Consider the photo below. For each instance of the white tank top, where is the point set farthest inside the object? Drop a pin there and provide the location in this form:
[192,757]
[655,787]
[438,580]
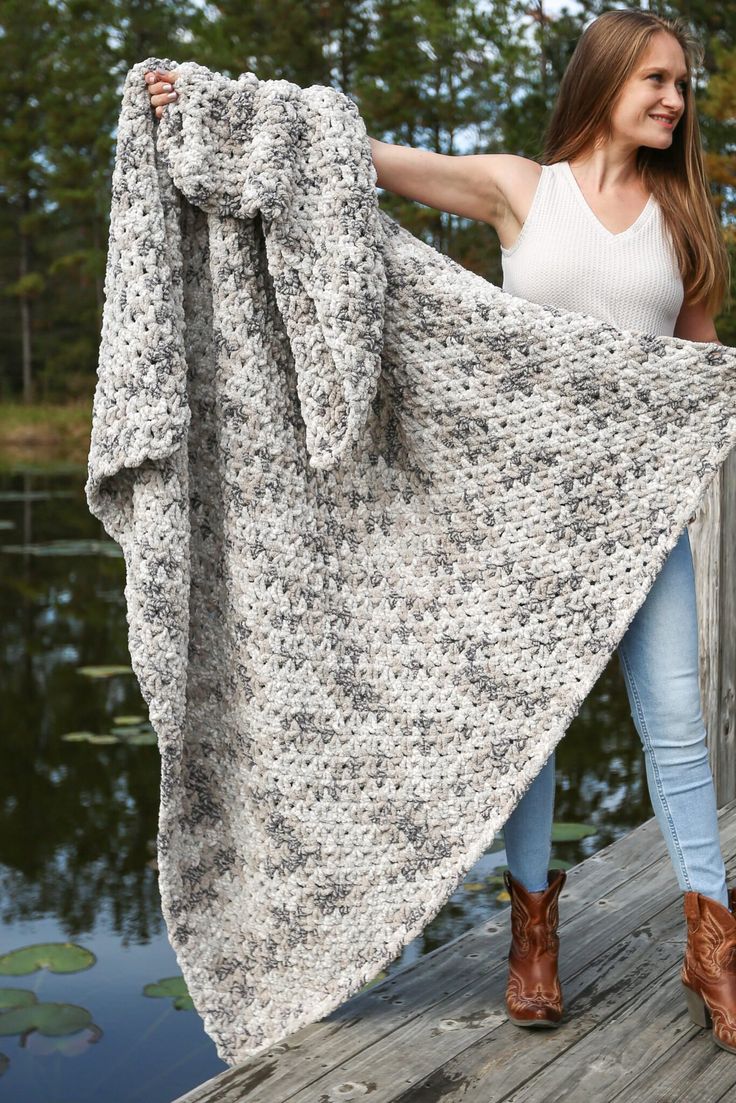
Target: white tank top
[565,257]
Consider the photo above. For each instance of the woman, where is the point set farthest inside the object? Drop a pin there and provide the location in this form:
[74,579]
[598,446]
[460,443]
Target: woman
[616,222]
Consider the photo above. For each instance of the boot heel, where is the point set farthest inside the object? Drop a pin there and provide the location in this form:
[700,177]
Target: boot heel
[697,1008]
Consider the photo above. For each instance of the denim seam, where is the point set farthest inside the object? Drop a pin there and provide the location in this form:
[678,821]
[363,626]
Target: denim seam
[653,759]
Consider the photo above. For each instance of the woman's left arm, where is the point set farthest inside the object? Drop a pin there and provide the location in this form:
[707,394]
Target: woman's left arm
[694,323]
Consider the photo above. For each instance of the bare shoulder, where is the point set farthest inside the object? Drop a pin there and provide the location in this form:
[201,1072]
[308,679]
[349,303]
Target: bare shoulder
[516,180]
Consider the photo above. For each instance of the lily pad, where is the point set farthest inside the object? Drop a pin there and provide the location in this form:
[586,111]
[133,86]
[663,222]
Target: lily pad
[173,988]
[89,737]
[125,720]
[143,739]
[141,734]
[16,997]
[4,525]
[103,671]
[52,1019]
[571,832]
[376,980]
[57,957]
[43,1045]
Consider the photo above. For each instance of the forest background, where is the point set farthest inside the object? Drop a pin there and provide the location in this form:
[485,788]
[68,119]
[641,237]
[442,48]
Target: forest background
[455,77]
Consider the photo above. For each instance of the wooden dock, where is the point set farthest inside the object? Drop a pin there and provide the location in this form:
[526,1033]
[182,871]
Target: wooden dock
[436,1031]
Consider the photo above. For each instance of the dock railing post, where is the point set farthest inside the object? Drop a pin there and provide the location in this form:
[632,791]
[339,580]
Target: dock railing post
[713,542]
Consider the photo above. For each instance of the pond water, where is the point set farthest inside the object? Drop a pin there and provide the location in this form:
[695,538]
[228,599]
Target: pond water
[82,928]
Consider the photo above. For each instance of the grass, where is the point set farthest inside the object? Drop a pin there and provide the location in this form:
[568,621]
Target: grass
[45,430]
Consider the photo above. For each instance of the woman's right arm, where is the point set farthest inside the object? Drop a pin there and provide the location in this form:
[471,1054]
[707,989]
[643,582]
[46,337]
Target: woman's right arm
[472,185]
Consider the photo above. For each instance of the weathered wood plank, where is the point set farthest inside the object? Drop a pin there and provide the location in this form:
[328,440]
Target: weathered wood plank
[688,1071]
[509,1063]
[713,542]
[438,1028]
[501,1054]
[729,1096]
[648,1050]
[423,981]
[608,1038]
[725,750]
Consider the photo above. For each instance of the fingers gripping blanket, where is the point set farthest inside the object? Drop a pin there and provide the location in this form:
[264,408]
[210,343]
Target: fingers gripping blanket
[383,524]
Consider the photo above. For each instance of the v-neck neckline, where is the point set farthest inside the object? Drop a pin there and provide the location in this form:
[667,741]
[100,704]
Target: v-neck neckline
[635,225]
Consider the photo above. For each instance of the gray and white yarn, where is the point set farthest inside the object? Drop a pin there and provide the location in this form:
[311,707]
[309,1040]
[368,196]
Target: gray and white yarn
[384,524]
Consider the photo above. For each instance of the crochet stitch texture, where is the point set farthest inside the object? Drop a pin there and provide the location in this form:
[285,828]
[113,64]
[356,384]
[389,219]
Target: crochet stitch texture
[383,524]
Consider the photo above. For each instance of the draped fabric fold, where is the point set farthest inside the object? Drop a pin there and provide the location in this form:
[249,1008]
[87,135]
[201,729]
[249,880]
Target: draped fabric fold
[384,525]
[249,147]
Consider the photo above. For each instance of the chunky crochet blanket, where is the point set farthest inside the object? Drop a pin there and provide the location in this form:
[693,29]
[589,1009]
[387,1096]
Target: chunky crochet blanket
[383,524]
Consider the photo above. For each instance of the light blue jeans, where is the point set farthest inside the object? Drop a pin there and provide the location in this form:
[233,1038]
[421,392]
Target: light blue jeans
[659,661]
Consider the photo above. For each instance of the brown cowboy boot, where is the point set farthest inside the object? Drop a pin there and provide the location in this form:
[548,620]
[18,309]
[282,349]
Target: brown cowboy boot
[533,991]
[708,971]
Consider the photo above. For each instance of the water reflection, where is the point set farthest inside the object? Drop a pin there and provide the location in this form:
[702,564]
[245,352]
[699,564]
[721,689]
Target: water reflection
[78,819]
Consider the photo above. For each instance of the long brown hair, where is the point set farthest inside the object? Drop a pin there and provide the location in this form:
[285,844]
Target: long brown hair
[605,55]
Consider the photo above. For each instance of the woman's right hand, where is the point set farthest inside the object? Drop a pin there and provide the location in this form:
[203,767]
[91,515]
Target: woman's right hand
[160,86]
